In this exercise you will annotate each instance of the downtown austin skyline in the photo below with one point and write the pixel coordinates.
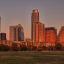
(19, 12)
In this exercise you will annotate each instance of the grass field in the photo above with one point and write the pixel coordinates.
(31, 57)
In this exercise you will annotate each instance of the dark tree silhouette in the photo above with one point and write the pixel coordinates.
(23, 48)
(15, 47)
(50, 48)
(4, 47)
(58, 46)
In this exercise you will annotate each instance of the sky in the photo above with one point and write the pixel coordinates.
(15, 12)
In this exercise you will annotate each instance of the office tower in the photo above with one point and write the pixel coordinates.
(3, 36)
(39, 34)
(37, 28)
(61, 36)
(50, 36)
(16, 33)
(34, 25)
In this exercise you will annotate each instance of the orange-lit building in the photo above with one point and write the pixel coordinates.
(34, 25)
(35, 15)
(28, 42)
(50, 36)
(37, 28)
(61, 36)
(41, 34)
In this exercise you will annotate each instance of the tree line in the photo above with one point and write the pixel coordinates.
(15, 47)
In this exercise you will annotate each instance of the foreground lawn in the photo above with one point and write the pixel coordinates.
(32, 57)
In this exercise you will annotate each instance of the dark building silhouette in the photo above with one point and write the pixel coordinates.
(2, 36)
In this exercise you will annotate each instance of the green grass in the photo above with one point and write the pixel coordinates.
(32, 57)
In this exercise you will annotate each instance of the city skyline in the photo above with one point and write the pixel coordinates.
(51, 13)
(31, 31)
(40, 35)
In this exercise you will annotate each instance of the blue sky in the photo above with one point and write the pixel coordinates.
(15, 12)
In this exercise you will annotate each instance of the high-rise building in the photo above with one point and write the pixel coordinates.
(34, 25)
(50, 36)
(37, 28)
(16, 33)
(41, 33)
(61, 36)
(12, 33)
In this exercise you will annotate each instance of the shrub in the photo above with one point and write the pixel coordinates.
(58, 46)
(15, 47)
(4, 47)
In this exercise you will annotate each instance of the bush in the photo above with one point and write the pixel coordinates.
(15, 47)
(50, 48)
(23, 48)
(58, 46)
(4, 47)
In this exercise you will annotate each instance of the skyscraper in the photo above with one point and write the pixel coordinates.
(16, 33)
(34, 25)
(37, 28)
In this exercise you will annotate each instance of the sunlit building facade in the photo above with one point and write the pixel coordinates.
(37, 28)
(50, 36)
(41, 34)
(35, 15)
(61, 36)
(34, 26)
(16, 33)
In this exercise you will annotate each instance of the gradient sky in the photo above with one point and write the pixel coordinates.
(15, 12)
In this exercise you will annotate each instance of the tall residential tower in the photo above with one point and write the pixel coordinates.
(37, 28)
